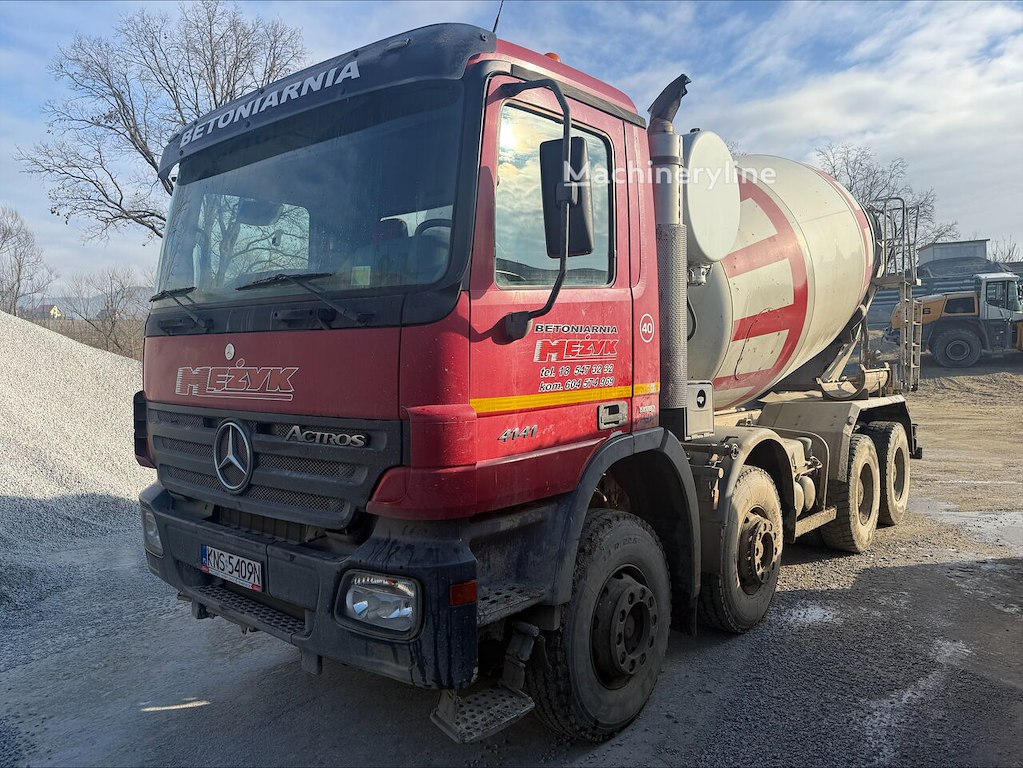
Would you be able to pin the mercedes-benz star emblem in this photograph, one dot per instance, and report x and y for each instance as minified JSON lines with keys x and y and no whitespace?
{"x":233,"y":457}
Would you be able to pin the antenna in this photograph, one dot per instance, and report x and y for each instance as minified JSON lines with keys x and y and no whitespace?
{"x":498,"y":19}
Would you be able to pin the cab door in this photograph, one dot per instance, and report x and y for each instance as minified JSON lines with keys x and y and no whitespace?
{"x":999,"y":300}
{"x":546,"y":402}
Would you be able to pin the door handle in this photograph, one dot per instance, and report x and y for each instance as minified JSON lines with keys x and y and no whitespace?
{"x":610,"y":415}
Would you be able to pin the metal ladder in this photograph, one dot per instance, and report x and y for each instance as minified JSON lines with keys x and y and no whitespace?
{"x":898,"y":251}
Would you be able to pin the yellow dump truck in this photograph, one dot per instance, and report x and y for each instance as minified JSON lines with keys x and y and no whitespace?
{"x":958,"y":326}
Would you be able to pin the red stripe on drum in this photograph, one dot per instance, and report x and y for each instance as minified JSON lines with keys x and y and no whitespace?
{"x":762,"y":253}
{"x":769,"y":321}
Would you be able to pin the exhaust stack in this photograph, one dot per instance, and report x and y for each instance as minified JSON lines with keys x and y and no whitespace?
{"x":672,"y":265}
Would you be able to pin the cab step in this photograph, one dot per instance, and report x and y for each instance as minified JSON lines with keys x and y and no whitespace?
{"x":466,"y":719}
{"x":478,"y":715}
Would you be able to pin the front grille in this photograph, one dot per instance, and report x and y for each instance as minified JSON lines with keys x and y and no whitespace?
{"x":337,"y":469}
{"x":312,"y":484}
{"x":192,"y":478}
{"x":261,"y":492}
{"x":184,"y":446}
{"x":297,"y":498}
{"x":183,"y":419}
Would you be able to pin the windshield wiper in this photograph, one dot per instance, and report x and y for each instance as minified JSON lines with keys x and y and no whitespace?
{"x":283,"y":277}
{"x":173,"y":293}
{"x":301,"y":281}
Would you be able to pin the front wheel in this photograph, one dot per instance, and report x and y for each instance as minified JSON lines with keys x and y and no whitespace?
{"x":957,"y":348}
{"x":604,"y":659}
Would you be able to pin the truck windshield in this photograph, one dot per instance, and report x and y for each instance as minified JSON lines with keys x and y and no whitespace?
{"x":362,"y":190}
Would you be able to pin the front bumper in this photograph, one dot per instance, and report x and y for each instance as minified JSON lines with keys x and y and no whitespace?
{"x":301,"y":603}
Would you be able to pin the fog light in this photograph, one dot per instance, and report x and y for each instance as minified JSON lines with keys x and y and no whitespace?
{"x":151,"y":533}
{"x":387,"y":602}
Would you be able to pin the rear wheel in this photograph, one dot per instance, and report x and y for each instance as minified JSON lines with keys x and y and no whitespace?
{"x":604,"y":659}
{"x":957,"y":348}
{"x":892,"y":446}
{"x":858,"y":500}
{"x":737,"y":596}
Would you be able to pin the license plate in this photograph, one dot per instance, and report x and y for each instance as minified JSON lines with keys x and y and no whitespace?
{"x":239,"y":570}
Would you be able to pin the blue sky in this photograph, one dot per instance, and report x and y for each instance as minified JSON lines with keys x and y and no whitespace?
{"x":940,"y":84}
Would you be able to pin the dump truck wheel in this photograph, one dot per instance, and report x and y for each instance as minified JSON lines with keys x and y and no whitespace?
{"x":603,"y":661}
{"x":957,"y":348}
{"x":737,"y":597}
{"x":892,"y":447}
{"x":858,"y":500}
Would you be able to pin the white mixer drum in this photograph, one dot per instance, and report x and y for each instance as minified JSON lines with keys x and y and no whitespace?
{"x":799,"y":268}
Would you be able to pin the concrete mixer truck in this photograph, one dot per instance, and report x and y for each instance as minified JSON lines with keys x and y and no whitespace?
{"x":461,"y":373}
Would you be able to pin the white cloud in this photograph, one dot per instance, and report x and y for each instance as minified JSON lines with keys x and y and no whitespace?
{"x":951,"y":104}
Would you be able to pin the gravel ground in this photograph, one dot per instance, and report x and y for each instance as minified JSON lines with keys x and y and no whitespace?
{"x":907,"y":655}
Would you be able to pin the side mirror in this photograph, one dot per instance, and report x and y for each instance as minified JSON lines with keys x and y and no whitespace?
{"x":552,"y":176}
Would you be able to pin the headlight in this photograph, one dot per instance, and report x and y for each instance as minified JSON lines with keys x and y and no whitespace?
{"x":388,"y":602}
{"x":151,"y":533}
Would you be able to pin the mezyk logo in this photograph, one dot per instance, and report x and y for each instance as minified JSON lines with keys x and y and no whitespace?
{"x":239,"y":382}
{"x":556,"y":350}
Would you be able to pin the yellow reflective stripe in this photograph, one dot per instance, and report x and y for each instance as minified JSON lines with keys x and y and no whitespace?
{"x":543,"y":399}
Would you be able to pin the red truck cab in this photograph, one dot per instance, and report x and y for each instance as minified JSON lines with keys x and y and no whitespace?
{"x":352,"y":453}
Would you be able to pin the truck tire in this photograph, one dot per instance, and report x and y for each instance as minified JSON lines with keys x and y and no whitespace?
{"x":603,"y":661}
{"x":858,"y":500}
{"x":957,"y":348}
{"x":737,"y":597}
{"x":892,"y":445}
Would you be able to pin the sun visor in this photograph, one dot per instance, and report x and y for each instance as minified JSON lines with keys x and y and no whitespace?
{"x":436,"y":52}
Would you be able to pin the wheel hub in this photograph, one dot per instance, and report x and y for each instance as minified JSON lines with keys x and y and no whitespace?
{"x":957,"y":350}
{"x":624,"y":625}
{"x":757,"y":548}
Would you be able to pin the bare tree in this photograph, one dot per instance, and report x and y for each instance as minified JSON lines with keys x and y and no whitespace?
{"x":131,"y":92}
{"x":1005,"y":250}
{"x":24,"y":276}
{"x":110,"y":306}
{"x":869,"y":180}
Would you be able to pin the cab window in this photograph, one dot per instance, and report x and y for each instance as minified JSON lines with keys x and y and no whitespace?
{"x":520,"y":244}
{"x":961,"y":305}
{"x":996,"y":294}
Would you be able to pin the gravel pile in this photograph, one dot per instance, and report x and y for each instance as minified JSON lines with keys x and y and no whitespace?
{"x":67,"y":469}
